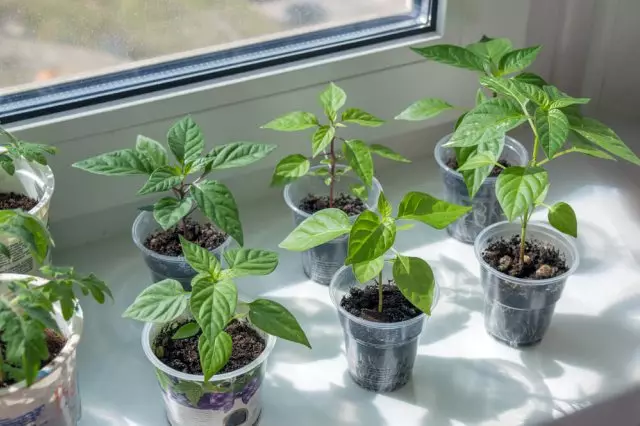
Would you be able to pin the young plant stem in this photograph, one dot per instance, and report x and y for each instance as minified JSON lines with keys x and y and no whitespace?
{"x":332,"y":172}
{"x":380,"y":292}
{"x":523,"y":236}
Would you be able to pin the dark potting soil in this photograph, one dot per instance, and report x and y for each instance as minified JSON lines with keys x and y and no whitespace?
{"x":182,"y":354}
{"x":349,"y":204}
{"x":168,"y":242}
{"x":541,"y":259}
{"x":452,"y":163}
{"x":12,"y":200}
{"x":55,"y":343}
{"x":363,"y":303}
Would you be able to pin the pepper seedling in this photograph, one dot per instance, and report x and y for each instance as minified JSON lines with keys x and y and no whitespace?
{"x":16,"y":148}
{"x":372,"y":236}
{"x":186,"y":142}
{"x":213,"y":303}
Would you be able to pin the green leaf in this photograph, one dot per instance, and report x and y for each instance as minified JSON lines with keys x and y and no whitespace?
{"x":415,"y":279}
{"x":4,"y":250}
{"x":153,"y":150}
{"x":244,"y":261}
{"x":192,"y":390}
{"x":530,"y":78}
{"x":429,"y":210}
{"x":474,"y":178}
{"x":553,"y":130}
{"x":480,"y":159}
{"x":565,"y":102}
{"x":601,"y":135}
{"x":6,"y":162}
{"x":365,"y":271}
{"x":359,"y":191}
{"x":161,"y":180}
{"x":320,"y":228}
{"x":168,"y":211}
{"x":237,"y":154}
{"x":190,"y":329}
{"x":201,"y":259}
{"x":503,"y":86}
{"x":332,"y":99}
{"x":491,"y":50}
{"x":186,"y":140}
{"x":542,"y":196}
{"x":584,"y":146}
{"x":480,"y":96}
{"x":29,"y":229}
{"x":370,"y":237}
{"x":424,"y":109}
{"x":385,"y":152}
{"x":517,"y":188}
{"x":322,"y":138}
{"x":562,"y":217}
{"x":384,"y":206}
{"x":117,"y":163}
{"x":405,"y":227}
{"x":214,"y":357}
{"x":213,"y":305}
{"x":518,"y":59}
{"x":161,"y":302}
{"x":290,"y":168}
{"x":449,"y":54}
{"x":359,"y":157}
{"x":273,"y":318}
{"x":163,"y":379}
{"x":217,"y":203}
{"x":532,"y":92}
{"x":292,"y":122}
{"x":363,"y":118}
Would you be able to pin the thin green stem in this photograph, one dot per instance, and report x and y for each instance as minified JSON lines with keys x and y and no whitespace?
{"x":332,"y":171}
{"x":380,"y":292}
{"x":523,"y":236}
{"x":559,"y":154}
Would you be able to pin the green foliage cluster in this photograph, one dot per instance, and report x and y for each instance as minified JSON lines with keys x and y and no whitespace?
{"x":16,"y":148}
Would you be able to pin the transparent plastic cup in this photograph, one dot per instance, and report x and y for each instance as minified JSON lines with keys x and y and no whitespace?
{"x":161,"y":266}
{"x":486,"y":209}
{"x":37,"y":182}
{"x":227,"y":399}
{"x":518,"y":311}
{"x":53,"y":399}
{"x":320,"y":263}
{"x":380,"y":356}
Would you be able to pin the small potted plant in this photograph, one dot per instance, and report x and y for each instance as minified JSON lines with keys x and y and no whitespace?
{"x":157,"y":229}
{"x":41,"y":324}
{"x":382,"y":298}
{"x":465,"y":183}
{"x":525,"y":265}
{"x":26,"y":183}
{"x":350,"y":187}
{"x":209,"y":348}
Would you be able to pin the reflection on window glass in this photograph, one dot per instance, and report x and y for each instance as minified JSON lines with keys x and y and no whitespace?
{"x":49,"y":41}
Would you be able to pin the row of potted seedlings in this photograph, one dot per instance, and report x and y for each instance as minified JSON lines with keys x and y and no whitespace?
{"x":209,"y":346}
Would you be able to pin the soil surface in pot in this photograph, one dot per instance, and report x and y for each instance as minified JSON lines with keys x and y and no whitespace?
{"x":452,"y":163}
{"x":12,"y":200}
{"x":55,"y":343}
{"x":168,"y":242}
{"x":363,"y":302}
{"x":348,"y":203}
{"x":182,"y":355}
{"x":541,"y":260}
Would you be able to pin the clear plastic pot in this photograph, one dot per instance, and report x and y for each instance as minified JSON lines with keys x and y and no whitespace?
{"x":231,"y":399}
{"x":37,"y":182}
{"x":486,"y":209}
{"x":320,"y":263}
{"x":380,"y":356}
{"x":161,"y":266}
{"x":54,"y":398}
{"x":518,"y":311}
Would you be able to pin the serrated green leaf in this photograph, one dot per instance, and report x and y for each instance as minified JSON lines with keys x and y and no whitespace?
{"x":168,"y":211}
{"x":365,"y":271}
{"x":189,"y":329}
{"x":517,"y":188}
{"x":332,"y":99}
{"x":292,"y":122}
{"x":322,"y":138}
{"x":290,"y":168}
{"x":161,"y":180}
{"x":530,"y":78}
{"x":479,"y":159}
{"x":602,"y":136}
{"x":424,"y":109}
{"x":186,"y":140}
{"x":320,"y":228}
{"x":201,"y":259}
{"x":359,"y":157}
{"x":237,"y":154}
{"x":385,"y":152}
{"x":370,"y":237}
{"x":244,"y":261}
{"x":117,"y":163}
{"x":213,"y":305}
{"x":161,"y":302}
{"x":363,"y":118}
{"x":562,"y":217}
{"x":518,"y":59}
{"x":449,"y":54}
{"x":414,"y":278}
{"x":217,"y":203}
{"x":384,"y":206}
{"x":553,"y":129}
{"x":214,"y":357}
{"x":156,"y":154}
{"x":429,"y":210}
{"x":273,"y":318}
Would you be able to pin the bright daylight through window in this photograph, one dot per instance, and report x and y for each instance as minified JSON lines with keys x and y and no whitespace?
{"x":63,"y":54}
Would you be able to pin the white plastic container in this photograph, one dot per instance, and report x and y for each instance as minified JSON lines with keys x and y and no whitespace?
{"x":231,"y":399}
{"x":37,"y":182}
{"x":53,"y":400}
